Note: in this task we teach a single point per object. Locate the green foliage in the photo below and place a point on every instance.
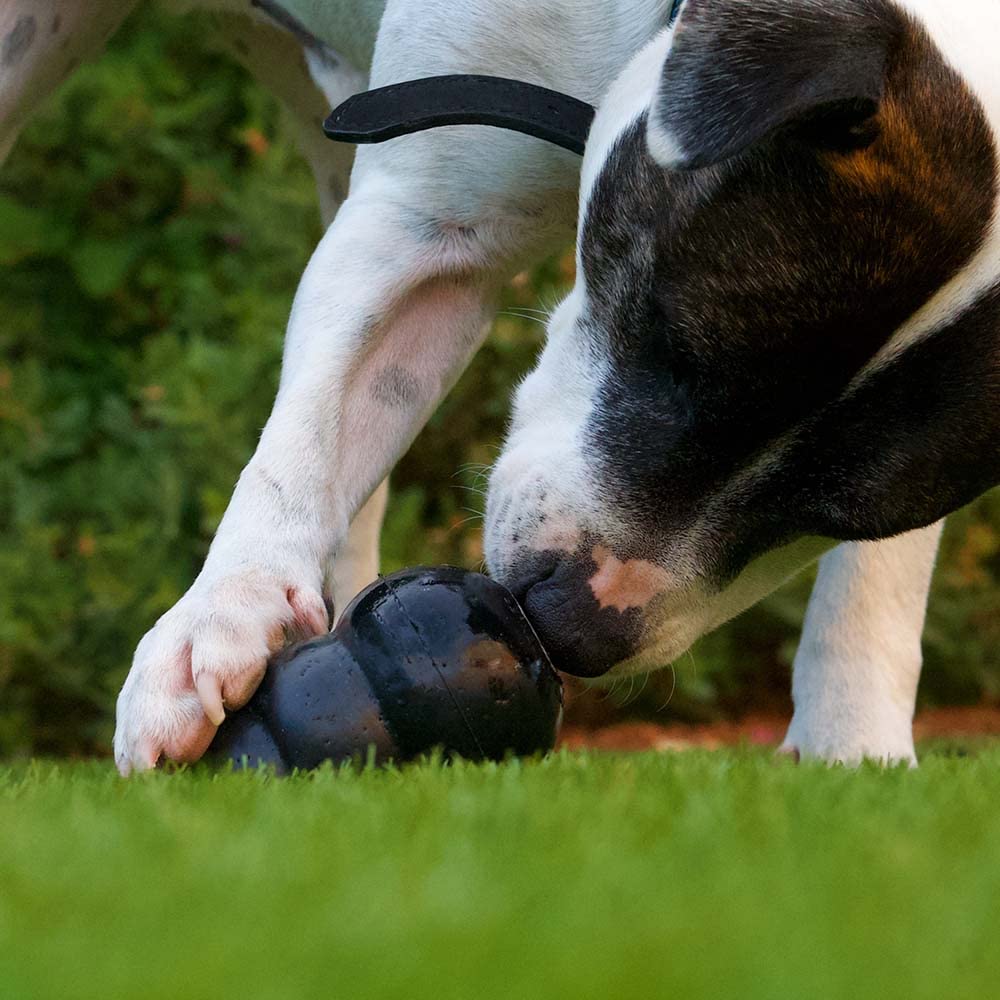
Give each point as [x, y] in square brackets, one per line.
[154, 220]
[695, 875]
[150, 243]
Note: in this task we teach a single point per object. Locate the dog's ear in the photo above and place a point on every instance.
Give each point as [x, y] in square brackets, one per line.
[740, 70]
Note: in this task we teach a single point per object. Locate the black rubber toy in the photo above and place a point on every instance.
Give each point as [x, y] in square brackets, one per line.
[421, 659]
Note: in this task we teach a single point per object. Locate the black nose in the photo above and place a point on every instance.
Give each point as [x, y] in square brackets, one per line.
[581, 637]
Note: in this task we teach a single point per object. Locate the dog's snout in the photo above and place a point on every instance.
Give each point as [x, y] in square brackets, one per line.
[529, 571]
[583, 636]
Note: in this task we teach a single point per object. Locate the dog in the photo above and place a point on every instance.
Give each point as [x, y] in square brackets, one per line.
[783, 342]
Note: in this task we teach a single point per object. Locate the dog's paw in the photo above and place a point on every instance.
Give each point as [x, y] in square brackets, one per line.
[207, 654]
[839, 741]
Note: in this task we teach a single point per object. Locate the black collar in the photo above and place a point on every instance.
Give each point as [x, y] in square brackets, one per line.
[417, 105]
[388, 112]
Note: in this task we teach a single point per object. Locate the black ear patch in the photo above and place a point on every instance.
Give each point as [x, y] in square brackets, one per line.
[739, 70]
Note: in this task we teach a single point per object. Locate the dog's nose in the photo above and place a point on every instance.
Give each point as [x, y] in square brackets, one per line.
[581, 636]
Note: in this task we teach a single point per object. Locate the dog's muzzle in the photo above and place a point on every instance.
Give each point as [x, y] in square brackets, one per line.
[582, 637]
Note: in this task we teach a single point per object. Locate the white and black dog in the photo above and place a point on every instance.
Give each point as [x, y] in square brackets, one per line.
[785, 331]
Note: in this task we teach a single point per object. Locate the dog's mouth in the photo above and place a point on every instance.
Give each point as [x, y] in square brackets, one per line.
[584, 635]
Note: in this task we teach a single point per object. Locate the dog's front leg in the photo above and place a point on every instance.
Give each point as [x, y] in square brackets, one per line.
[858, 665]
[309, 82]
[391, 307]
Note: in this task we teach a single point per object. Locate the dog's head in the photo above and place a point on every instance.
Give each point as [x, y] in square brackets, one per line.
[784, 329]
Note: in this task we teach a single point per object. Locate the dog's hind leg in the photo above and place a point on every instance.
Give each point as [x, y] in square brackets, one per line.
[309, 80]
[858, 664]
[41, 43]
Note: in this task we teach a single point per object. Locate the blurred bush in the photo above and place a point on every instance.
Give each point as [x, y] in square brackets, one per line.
[154, 220]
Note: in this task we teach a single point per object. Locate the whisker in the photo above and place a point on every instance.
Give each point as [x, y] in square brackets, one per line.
[642, 687]
[470, 467]
[518, 315]
[461, 524]
[622, 702]
[517, 310]
[610, 690]
[673, 687]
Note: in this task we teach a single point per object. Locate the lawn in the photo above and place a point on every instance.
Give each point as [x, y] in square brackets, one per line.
[691, 875]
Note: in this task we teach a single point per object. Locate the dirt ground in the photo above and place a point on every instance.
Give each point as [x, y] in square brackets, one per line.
[762, 730]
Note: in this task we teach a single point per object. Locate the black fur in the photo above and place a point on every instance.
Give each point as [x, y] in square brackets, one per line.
[737, 303]
[737, 71]
[913, 442]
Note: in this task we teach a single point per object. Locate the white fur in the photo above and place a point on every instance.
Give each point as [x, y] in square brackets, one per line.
[664, 146]
[857, 667]
[541, 471]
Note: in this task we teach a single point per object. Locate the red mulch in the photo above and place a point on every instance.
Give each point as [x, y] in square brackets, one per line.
[762, 730]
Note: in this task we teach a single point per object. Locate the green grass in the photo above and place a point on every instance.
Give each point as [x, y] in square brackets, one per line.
[696, 875]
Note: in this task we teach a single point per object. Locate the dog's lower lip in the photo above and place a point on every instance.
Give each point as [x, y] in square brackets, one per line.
[582, 672]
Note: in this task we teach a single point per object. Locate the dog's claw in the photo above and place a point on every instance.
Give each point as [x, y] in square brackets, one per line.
[209, 689]
[149, 756]
[123, 764]
[145, 758]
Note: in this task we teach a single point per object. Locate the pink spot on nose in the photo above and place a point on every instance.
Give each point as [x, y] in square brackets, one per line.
[623, 585]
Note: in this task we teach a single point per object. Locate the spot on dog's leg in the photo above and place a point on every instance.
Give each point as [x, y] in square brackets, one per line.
[56, 23]
[18, 41]
[395, 387]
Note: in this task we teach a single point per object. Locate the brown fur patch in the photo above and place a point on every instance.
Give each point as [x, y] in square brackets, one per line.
[926, 115]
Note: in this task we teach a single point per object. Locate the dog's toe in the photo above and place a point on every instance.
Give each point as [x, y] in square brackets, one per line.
[206, 655]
